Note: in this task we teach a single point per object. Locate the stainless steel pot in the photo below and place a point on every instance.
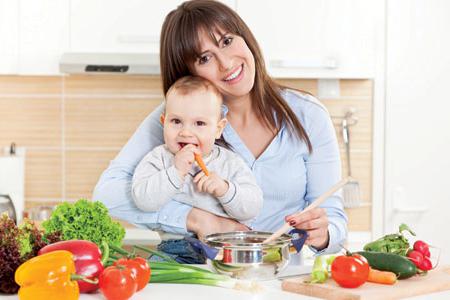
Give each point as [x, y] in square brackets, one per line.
[243, 255]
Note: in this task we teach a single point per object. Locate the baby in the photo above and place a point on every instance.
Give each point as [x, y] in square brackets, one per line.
[192, 122]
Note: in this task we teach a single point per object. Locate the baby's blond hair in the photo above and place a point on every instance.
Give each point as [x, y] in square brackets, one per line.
[189, 84]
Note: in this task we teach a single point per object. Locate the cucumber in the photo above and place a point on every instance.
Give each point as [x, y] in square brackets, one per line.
[400, 265]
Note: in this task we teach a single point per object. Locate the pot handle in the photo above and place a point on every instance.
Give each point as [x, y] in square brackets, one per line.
[299, 237]
[202, 248]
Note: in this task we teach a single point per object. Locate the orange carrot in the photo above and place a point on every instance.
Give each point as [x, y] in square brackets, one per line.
[382, 277]
[201, 164]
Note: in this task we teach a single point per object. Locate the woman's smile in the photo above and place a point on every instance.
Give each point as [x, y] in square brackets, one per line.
[236, 75]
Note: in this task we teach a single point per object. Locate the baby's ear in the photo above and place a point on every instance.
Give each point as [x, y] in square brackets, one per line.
[162, 118]
[220, 127]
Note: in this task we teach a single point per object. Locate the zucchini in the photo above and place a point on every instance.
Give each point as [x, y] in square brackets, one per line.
[400, 265]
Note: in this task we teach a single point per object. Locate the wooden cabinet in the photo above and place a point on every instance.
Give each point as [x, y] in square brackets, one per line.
[314, 39]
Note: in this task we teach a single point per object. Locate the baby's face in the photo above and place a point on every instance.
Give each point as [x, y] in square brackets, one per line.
[193, 118]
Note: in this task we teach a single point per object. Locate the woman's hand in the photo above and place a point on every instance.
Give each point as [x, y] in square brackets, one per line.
[203, 223]
[315, 222]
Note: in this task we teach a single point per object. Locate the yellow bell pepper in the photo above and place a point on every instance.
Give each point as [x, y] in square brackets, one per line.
[48, 277]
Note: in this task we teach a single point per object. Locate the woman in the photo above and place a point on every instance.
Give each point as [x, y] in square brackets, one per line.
[285, 136]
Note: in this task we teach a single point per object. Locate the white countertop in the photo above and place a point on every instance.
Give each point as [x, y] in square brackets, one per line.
[270, 289]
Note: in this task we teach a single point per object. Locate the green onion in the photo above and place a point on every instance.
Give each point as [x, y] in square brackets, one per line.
[171, 271]
[167, 272]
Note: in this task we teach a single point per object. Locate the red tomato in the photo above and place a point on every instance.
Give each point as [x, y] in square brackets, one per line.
[422, 247]
[426, 264]
[117, 283]
[350, 271]
[416, 257]
[139, 267]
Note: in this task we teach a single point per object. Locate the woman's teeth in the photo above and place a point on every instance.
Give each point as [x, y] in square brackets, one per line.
[235, 74]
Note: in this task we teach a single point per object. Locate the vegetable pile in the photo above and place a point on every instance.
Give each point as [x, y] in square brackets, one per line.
[383, 261]
[85, 220]
[18, 244]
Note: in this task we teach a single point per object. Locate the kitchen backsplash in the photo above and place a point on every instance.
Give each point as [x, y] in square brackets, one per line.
[72, 126]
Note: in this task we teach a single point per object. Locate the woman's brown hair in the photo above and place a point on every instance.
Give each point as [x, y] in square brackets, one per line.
[180, 47]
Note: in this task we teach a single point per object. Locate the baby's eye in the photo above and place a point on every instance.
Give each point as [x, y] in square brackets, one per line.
[227, 41]
[203, 59]
[200, 123]
[175, 121]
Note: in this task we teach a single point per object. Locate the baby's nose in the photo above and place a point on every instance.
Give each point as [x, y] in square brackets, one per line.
[185, 132]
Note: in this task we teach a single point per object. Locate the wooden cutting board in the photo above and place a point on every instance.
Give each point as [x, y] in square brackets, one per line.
[435, 281]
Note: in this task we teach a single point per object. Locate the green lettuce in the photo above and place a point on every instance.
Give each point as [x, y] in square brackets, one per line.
[85, 220]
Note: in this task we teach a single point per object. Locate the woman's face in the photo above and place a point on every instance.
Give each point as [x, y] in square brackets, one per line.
[230, 66]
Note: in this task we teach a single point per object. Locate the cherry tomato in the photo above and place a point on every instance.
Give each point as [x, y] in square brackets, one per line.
[139, 267]
[117, 283]
[422, 247]
[416, 257]
[426, 265]
[350, 271]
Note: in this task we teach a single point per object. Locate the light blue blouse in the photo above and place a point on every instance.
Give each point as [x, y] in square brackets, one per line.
[288, 175]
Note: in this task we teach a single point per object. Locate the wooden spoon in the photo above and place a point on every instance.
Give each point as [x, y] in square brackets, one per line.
[314, 204]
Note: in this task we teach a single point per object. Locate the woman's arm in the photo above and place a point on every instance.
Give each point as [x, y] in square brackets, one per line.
[326, 225]
[204, 223]
[114, 187]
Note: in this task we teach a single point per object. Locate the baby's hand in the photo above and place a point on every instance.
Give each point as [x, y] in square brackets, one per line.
[184, 159]
[211, 184]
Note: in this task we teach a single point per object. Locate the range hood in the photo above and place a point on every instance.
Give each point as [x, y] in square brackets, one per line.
[116, 63]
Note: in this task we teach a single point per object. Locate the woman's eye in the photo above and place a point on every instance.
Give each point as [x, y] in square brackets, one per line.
[227, 41]
[200, 123]
[203, 59]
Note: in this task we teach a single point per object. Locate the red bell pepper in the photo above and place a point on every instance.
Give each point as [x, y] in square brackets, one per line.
[87, 258]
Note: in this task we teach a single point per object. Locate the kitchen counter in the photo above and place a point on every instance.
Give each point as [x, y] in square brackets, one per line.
[270, 289]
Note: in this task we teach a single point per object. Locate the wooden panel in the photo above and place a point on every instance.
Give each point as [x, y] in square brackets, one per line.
[30, 122]
[43, 172]
[83, 169]
[112, 85]
[104, 122]
[361, 132]
[356, 88]
[359, 219]
[30, 85]
[307, 85]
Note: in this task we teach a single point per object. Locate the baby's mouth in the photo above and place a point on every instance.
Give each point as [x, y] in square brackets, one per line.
[184, 144]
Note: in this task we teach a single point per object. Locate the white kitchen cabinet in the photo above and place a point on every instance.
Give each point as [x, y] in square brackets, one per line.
[43, 35]
[9, 36]
[117, 25]
[314, 39]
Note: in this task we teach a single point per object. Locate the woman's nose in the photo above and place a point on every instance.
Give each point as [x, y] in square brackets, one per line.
[225, 62]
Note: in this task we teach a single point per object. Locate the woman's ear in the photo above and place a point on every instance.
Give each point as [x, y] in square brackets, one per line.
[162, 118]
[220, 127]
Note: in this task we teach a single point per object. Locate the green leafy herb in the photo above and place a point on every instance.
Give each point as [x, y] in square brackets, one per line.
[395, 243]
[85, 220]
